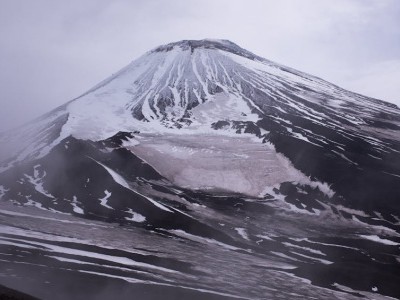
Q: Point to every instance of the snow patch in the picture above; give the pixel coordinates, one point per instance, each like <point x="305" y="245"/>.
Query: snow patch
<point x="103" y="201"/>
<point x="197" y="238"/>
<point x="304" y="248"/>
<point x="31" y="202"/>
<point x="121" y="181"/>
<point x="82" y="253"/>
<point x="378" y="239"/>
<point x="3" y="191"/>
<point x="323" y="261"/>
<point x="75" y="206"/>
<point x="301" y="177"/>
<point x="352" y="211"/>
<point x="37" y="181"/>
<point x="265" y="237"/>
<point x="135" y="217"/>
<point x="242" y="232"/>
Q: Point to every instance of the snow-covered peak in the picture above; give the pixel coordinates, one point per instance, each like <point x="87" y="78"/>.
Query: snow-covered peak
<point x="220" y="44"/>
<point x="192" y="84"/>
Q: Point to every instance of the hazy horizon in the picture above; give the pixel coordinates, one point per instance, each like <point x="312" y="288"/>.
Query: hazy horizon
<point x="52" y="52"/>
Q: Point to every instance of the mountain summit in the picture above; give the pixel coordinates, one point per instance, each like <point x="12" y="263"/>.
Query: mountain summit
<point x="281" y="173"/>
<point x="191" y="45"/>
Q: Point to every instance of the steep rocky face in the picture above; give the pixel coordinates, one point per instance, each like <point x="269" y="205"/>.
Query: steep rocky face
<point x="203" y="142"/>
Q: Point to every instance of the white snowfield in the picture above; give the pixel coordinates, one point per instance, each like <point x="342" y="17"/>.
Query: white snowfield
<point x="221" y="162"/>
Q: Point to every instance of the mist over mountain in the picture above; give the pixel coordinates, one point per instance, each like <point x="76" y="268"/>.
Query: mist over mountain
<point x="203" y="170"/>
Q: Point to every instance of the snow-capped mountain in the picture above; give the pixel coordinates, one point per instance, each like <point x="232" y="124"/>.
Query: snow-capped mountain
<point x="207" y="143"/>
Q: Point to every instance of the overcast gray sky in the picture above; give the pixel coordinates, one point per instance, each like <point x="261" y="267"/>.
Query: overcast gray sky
<point x="52" y="51"/>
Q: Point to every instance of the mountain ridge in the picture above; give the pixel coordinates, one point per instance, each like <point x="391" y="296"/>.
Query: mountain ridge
<point x="201" y="167"/>
<point x="197" y="84"/>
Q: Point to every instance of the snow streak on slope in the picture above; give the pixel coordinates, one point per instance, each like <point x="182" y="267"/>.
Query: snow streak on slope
<point x="121" y="181"/>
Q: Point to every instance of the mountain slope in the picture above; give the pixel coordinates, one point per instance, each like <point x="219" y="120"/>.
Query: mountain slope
<point x="198" y="86"/>
<point x="204" y="143"/>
